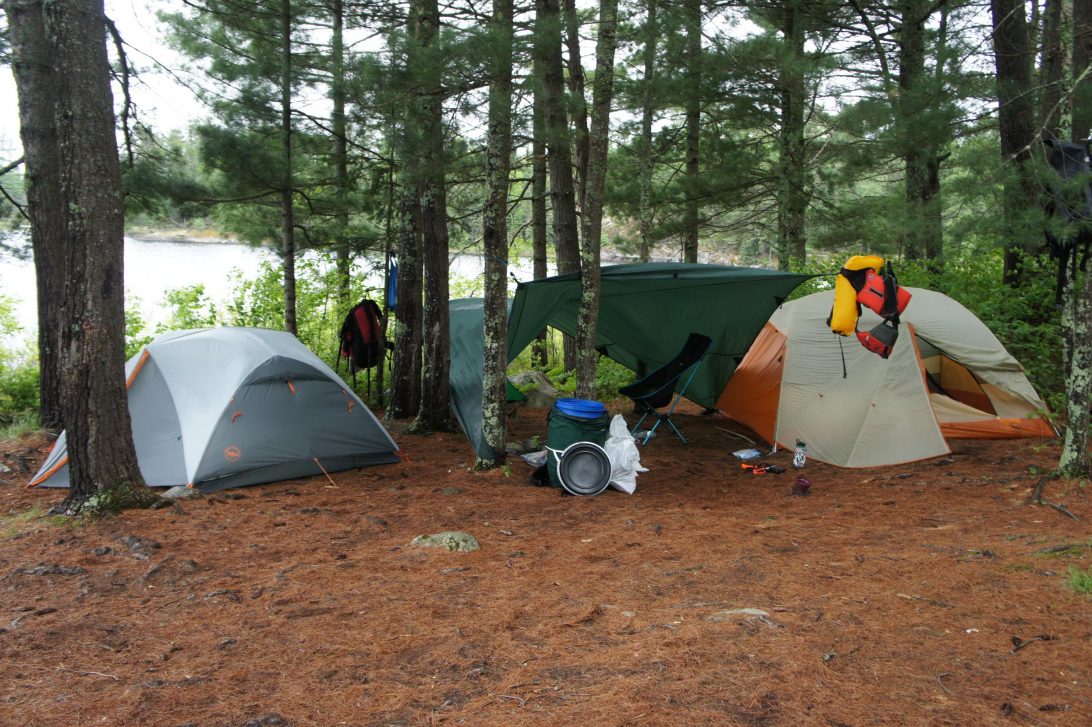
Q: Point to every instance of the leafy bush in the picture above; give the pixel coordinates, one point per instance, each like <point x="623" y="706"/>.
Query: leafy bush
<point x="18" y="370"/>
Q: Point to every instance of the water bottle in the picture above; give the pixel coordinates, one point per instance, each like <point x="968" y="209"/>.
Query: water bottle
<point x="799" y="455"/>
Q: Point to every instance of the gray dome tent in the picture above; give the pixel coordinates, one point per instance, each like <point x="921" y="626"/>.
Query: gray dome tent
<point x="227" y="407"/>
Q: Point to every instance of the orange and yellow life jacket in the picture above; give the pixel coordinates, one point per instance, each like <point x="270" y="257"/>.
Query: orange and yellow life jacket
<point x="862" y="281"/>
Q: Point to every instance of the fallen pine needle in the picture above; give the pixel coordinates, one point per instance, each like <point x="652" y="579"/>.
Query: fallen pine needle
<point x="87" y="673"/>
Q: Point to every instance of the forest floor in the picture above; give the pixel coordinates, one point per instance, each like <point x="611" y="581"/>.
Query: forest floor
<point x="921" y="594"/>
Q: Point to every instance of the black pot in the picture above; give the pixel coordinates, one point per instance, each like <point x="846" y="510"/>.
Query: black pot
<point x="584" y="469"/>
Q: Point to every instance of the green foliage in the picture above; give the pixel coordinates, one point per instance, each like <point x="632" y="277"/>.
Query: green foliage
<point x="609" y="374"/>
<point x="1079" y="581"/>
<point x="12" y="185"/>
<point x="18" y="370"/>
<point x="190" y="308"/>
<point x="135" y="336"/>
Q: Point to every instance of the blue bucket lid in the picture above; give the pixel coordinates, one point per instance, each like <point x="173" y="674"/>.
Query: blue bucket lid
<point x="581" y="408"/>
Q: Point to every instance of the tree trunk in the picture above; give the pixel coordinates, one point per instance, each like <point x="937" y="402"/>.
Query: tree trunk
<point x="405" y="400"/>
<point x="539" y="354"/>
<point x="792" y="196"/>
<point x="1077" y="304"/>
<point x="388" y="253"/>
<point x="598" y="144"/>
<point x="288" y="223"/>
<point x="648" y="112"/>
<point x="1016" y="115"/>
<point x="1051" y="67"/>
<point x="435" y="411"/>
<point x="34" y="79"/>
<point x="101" y="459"/>
<point x="911" y="137"/>
<point x="1082" y="70"/>
<point x="406" y="372"/>
<point x="548" y="48"/>
<point x="693" y="130"/>
<point x="344" y="261"/>
<point x="1077" y="319"/>
<point x="577" y="103"/>
<point x="495" y="234"/>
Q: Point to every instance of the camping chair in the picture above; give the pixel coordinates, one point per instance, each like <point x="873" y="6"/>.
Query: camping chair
<point x="657" y="389"/>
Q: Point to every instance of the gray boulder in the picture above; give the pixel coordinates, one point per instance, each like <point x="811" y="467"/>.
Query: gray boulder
<point x="537" y="387"/>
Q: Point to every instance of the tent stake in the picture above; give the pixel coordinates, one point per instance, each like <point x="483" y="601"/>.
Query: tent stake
<point x="325" y="472"/>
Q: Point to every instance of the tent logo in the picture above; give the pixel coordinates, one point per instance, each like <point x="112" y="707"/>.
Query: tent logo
<point x="232" y="454"/>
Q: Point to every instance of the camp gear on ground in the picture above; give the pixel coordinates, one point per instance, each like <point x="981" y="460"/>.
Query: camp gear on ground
<point x="643" y="307"/>
<point x="762" y="468"/>
<point x="625" y="459"/>
<point x="227" y="407"/>
<point x="799" y="455"/>
<point x="746" y="454"/>
<point x="581" y="408"/>
<point x="657" y="389"/>
<point x="952" y="378"/>
<point x="801" y="486"/>
<point x="583" y="468"/>
<point x="563" y="430"/>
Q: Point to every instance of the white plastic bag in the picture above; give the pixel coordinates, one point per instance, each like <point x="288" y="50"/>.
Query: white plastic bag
<point x="625" y="460"/>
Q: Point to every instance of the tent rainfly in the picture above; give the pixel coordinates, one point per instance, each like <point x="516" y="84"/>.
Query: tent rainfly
<point x="646" y="313"/>
<point x="228" y="407"/>
<point x="948" y="377"/>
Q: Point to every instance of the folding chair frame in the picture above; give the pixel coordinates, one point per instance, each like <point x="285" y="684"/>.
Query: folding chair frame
<point x="657" y="389"/>
<point x="664" y="417"/>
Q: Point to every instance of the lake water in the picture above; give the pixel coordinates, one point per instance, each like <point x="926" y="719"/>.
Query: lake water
<point x="154" y="267"/>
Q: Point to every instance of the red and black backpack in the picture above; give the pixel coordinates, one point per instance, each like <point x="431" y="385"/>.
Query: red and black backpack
<point x="360" y="336"/>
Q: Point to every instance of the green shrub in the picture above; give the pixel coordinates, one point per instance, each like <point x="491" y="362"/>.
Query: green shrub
<point x="18" y="370"/>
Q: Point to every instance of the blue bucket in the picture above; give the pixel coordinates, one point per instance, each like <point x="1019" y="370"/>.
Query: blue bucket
<point x="581" y="408"/>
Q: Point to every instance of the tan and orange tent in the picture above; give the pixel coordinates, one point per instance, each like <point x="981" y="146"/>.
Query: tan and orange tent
<point x="948" y="377"/>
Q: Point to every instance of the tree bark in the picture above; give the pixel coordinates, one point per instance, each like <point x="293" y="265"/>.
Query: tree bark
<point x="405" y="400"/>
<point x="288" y="223"/>
<point x="32" y="64"/>
<point x="539" y="241"/>
<point x="1077" y="303"/>
<point x="692" y="209"/>
<point x="914" y="140"/>
<point x="1016" y="113"/>
<point x="1052" y="64"/>
<point x="792" y="195"/>
<point x="1077" y="320"/>
<point x="405" y="397"/>
<point x="435" y="411"/>
<point x="495" y="234"/>
<point x="1082" y="70"/>
<point x="101" y="458"/>
<point x="577" y="103"/>
<point x="344" y="259"/>
<point x="598" y="143"/>
<point x="648" y="112"/>
<point x="566" y="241"/>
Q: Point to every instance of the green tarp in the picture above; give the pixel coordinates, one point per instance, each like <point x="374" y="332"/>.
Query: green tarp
<point x="646" y="313"/>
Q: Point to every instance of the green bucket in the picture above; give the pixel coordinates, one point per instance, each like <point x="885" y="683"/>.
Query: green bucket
<point x="564" y="430"/>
